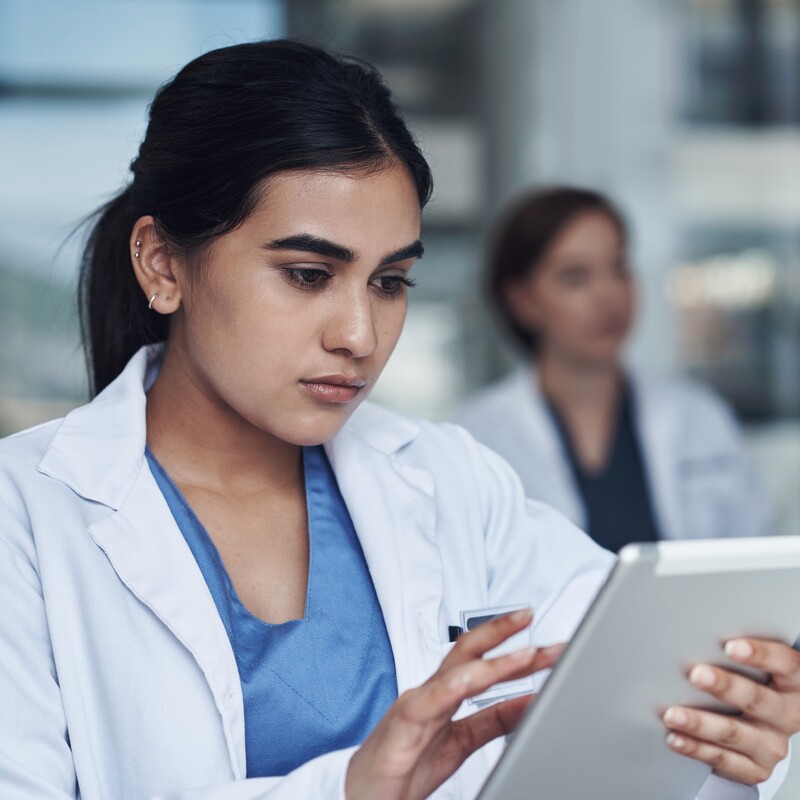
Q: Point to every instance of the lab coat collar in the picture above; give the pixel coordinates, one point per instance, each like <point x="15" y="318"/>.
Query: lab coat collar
<point x="393" y="508"/>
<point x="658" y="438"/>
<point x="529" y="407"/>
<point x="98" y="450"/>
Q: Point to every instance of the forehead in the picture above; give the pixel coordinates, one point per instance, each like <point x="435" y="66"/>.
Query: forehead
<point x="358" y="209"/>
<point x="590" y="233"/>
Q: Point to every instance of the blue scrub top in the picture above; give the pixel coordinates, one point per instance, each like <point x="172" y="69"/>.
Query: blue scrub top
<point x="617" y="500"/>
<point x="316" y="684"/>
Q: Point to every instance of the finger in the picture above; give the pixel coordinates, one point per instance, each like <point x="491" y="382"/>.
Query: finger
<point x="729" y="764"/>
<point x="778" y="659"/>
<point x="439" y="698"/>
<point x="487" y="636"/>
<point x="755" y="700"/>
<point x="475" y="731"/>
<point x="764" y="746"/>
<point x="447" y="690"/>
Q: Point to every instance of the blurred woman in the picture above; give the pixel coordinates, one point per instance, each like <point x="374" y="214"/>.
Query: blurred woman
<point x="626" y="457"/>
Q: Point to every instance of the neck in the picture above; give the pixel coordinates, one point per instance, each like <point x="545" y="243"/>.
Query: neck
<point x="202" y="441"/>
<point x="573" y="385"/>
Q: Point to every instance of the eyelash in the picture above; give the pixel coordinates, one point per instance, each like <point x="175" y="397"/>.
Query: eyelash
<point x="310" y="280"/>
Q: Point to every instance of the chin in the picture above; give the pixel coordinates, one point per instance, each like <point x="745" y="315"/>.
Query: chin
<point x="317" y="428"/>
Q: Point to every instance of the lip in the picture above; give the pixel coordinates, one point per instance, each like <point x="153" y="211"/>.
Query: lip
<point x="336" y="388"/>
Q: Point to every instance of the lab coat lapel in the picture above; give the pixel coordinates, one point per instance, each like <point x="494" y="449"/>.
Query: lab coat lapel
<point x="98" y="452"/>
<point x="653" y="423"/>
<point x="538" y="429"/>
<point x="151" y="557"/>
<point x="393" y="511"/>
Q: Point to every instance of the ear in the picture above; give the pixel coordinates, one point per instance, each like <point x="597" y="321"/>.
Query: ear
<point x="156" y="269"/>
<point x="521" y="302"/>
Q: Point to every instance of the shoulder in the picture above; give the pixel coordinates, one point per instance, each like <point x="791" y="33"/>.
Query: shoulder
<point x="690" y="401"/>
<point x="497" y="404"/>
<point x="461" y="465"/>
<point x="408" y="437"/>
<point x="20" y="453"/>
<point x="22" y="486"/>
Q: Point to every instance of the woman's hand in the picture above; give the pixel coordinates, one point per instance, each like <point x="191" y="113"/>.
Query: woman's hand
<point x="417" y="745"/>
<point x="745" y="748"/>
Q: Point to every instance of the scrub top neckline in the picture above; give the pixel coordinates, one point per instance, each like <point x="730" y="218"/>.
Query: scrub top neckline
<point x="220" y="563"/>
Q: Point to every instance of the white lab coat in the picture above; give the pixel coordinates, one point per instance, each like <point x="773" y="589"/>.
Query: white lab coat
<point x="701" y="481"/>
<point x="117" y="679"/>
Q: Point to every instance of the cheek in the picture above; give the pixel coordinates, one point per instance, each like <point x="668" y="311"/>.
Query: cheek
<point x="389" y="321"/>
<point x="568" y="310"/>
<point x="242" y="334"/>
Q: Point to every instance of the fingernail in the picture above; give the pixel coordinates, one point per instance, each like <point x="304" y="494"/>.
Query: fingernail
<point x="523" y="615"/>
<point x="525" y="654"/>
<point x="738" y="649"/>
<point x="676" y="741"/>
<point x="676" y="716"/>
<point x="702" y="676"/>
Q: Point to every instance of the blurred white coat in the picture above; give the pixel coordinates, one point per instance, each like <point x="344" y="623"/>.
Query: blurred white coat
<point x="702" y="483"/>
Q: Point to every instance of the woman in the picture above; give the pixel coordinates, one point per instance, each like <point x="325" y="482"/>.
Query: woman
<point x="625" y="457"/>
<point x="199" y="599"/>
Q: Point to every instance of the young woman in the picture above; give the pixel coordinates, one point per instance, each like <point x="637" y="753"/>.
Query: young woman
<point x="219" y="579"/>
<point x="624" y="456"/>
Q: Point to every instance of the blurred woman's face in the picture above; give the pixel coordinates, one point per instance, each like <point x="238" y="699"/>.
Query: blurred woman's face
<point x="579" y="299"/>
<point x="291" y="320"/>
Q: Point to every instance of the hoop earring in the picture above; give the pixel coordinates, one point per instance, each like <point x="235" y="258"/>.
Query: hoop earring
<point x="152" y="299"/>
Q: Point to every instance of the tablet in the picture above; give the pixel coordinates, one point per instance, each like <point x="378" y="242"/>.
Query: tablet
<point x="595" y="729"/>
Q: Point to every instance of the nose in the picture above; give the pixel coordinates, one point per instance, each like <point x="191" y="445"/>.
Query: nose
<point x="351" y="327"/>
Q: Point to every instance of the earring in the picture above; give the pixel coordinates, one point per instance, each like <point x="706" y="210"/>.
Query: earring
<point x="152" y="299"/>
<point x="138" y="244"/>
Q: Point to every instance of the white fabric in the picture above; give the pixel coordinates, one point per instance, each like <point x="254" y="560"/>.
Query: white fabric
<point x="702" y="482"/>
<point x="117" y="679"/>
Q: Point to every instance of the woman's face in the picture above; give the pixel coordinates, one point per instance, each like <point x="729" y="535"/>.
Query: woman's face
<point x="579" y="298"/>
<point x="291" y="320"/>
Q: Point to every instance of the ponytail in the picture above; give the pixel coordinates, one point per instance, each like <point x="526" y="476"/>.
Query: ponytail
<point x="115" y="320"/>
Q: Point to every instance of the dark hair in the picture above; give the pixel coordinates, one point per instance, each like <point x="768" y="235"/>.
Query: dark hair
<point x="523" y="236"/>
<point x="227" y="121"/>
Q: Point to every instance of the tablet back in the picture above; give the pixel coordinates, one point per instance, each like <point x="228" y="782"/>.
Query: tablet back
<point x="595" y="730"/>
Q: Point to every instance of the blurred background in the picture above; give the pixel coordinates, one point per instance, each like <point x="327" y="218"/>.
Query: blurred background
<point x="687" y="112"/>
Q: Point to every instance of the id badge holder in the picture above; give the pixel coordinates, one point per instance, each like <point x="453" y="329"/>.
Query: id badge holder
<point x="502" y="691"/>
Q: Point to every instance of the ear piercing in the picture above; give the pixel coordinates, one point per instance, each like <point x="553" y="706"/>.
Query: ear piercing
<point x="136" y="254"/>
<point x="152" y="299"/>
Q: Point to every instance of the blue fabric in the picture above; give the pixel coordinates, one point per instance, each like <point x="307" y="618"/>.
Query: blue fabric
<point x="311" y="685"/>
<point x="617" y="501"/>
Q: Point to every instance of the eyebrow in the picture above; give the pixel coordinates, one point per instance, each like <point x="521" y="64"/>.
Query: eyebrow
<point x="324" y="247"/>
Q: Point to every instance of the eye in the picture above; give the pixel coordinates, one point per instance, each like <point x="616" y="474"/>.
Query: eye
<point x="307" y="277"/>
<point x="393" y="285"/>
